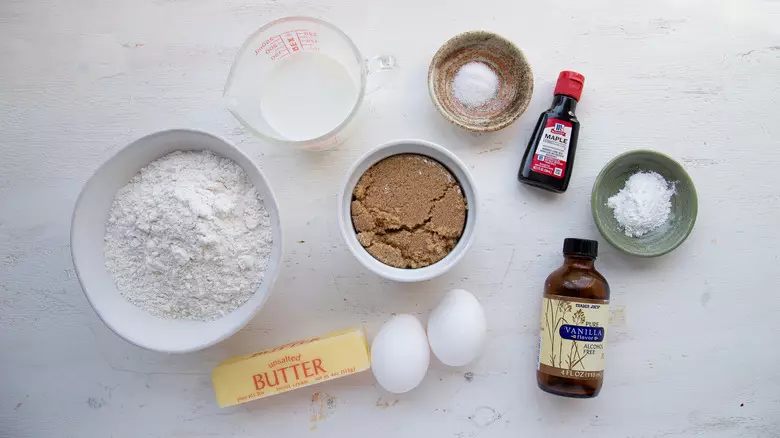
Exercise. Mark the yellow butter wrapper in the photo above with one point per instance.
(290, 366)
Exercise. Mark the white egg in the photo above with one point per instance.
(400, 354)
(457, 328)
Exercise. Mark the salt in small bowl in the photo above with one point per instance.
(516, 82)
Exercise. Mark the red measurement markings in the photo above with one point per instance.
(273, 47)
(307, 38)
(291, 41)
(286, 43)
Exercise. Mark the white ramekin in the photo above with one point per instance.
(408, 146)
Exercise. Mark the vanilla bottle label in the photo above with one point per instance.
(571, 342)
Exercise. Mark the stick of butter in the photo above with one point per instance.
(290, 366)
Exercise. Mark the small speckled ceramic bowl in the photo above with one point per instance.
(684, 203)
(516, 81)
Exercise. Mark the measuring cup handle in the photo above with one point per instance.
(380, 70)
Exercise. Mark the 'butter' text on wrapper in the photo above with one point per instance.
(290, 366)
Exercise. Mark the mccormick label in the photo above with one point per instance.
(553, 148)
(290, 366)
(571, 342)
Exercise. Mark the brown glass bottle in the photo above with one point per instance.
(575, 310)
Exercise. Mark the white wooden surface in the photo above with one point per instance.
(693, 347)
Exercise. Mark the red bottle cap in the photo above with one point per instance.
(570, 83)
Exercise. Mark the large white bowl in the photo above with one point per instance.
(88, 229)
(408, 146)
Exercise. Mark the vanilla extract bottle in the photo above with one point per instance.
(575, 311)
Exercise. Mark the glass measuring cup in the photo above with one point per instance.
(300, 81)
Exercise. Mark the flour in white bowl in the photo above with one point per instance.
(188, 237)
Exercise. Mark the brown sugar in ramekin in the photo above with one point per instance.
(408, 211)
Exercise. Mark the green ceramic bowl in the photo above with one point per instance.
(684, 203)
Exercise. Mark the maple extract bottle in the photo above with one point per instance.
(575, 311)
(549, 158)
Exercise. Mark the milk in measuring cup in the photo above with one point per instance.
(307, 95)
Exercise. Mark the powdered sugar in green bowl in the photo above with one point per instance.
(683, 209)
